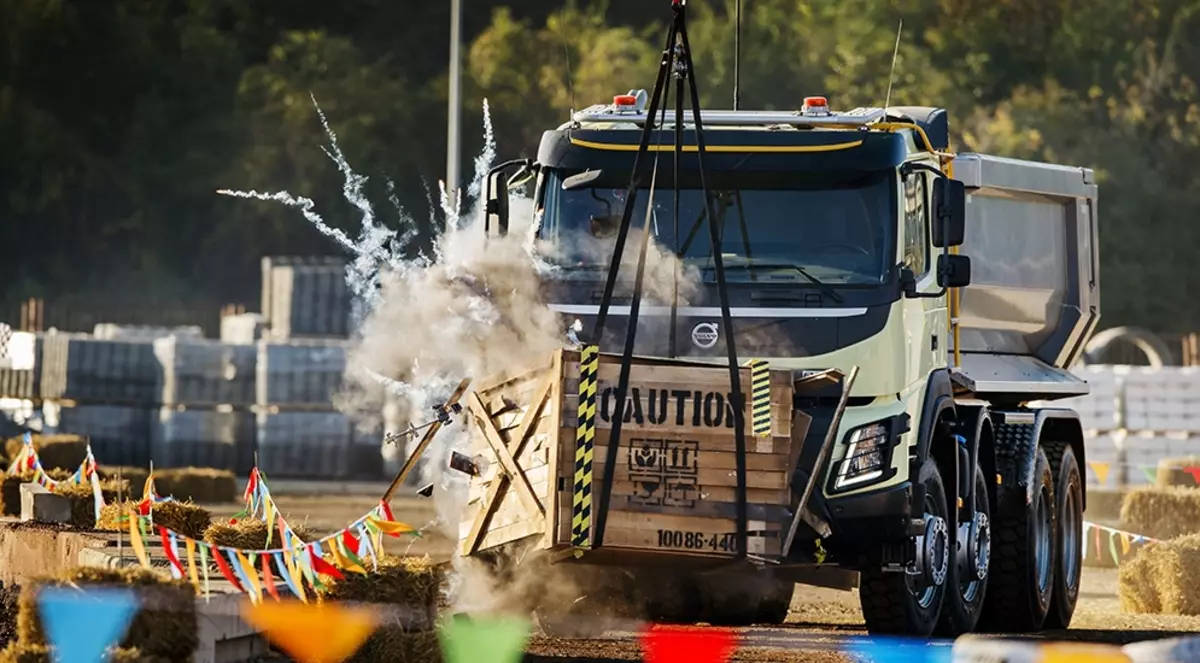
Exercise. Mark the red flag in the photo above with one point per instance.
(350, 541)
(677, 644)
(170, 553)
(225, 570)
(250, 485)
(324, 568)
(387, 510)
(1195, 472)
(268, 581)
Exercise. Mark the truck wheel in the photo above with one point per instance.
(1021, 577)
(1068, 490)
(967, 582)
(907, 602)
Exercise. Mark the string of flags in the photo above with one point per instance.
(1102, 469)
(27, 460)
(1116, 542)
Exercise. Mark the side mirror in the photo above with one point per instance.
(950, 212)
(953, 271)
(497, 203)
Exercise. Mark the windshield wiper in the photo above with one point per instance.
(750, 266)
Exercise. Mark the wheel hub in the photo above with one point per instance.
(933, 552)
(974, 547)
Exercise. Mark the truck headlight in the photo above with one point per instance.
(866, 455)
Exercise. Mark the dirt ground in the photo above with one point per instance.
(820, 622)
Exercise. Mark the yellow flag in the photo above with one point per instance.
(135, 539)
(343, 562)
(255, 588)
(191, 555)
(320, 633)
(269, 515)
(391, 526)
(289, 561)
(1101, 470)
(1125, 543)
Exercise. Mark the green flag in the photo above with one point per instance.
(484, 641)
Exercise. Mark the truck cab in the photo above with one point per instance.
(961, 287)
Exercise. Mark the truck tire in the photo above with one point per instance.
(1068, 491)
(899, 603)
(1021, 577)
(965, 591)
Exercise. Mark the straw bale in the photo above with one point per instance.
(185, 518)
(8, 613)
(135, 476)
(205, 485)
(83, 500)
(1170, 472)
(10, 489)
(249, 534)
(25, 653)
(63, 452)
(165, 625)
(1104, 505)
(1163, 579)
(1162, 513)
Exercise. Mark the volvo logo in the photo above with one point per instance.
(704, 335)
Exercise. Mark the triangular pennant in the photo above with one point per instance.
(1101, 470)
(170, 551)
(1112, 546)
(249, 575)
(313, 633)
(484, 641)
(391, 527)
(1124, 543)
(1151, 473)
(1195, 472)
(226, 571)
(268, 516)
(291, 575)
(675, 644)
(81, 625)
(319, 565)
(268, 578)
(190, 545)
(896, 650)
(135, 540)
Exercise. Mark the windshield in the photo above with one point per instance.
(838, 229)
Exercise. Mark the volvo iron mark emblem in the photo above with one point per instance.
(704, 335)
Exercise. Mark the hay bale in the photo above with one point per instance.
(413, 583)
(185, 518)
(248, 534)
(24, 653)
(134, 476)
(165, 627)
(1163, 579)
(8, 613)
(390, 643)
(10, 489)
(1162, 513)
(63, 452)
(198, 484)
(1171, 472)
(83, 505)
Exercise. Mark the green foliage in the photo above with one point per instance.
(119, 120)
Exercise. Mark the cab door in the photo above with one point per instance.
(925, 320)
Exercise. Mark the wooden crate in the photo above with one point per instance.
(674, 479)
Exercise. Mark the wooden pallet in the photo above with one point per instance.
(674, 481)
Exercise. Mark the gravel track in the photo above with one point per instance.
(818, 626)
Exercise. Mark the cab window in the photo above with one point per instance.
(916, 223)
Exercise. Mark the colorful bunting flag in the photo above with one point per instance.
(82, 625)
(313, 633)
(484, 641)
(897, 650)
(1101, 470)
(676, 644)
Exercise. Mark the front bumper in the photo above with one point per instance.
(877, 516)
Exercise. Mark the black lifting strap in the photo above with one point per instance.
(677, 51)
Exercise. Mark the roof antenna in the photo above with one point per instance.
(892, 76)
(737, 53)
(562, 20)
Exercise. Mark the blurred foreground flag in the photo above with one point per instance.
(312, 633)
(484, 641)
(677, 644)
(897, 650)
(82, 624)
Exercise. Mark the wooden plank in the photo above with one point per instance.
(430, 432)
(552, 434)
(491, 500)
(504, 456)
(721, 494)
(700, 480)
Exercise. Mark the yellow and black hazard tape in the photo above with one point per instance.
(760, 397)
(585, 439)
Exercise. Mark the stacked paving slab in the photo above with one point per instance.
(263, 392)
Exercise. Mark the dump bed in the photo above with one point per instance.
(1034, 297)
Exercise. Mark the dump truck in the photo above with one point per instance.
(907, 317)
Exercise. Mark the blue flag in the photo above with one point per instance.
(82, 625)
(897, 650)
